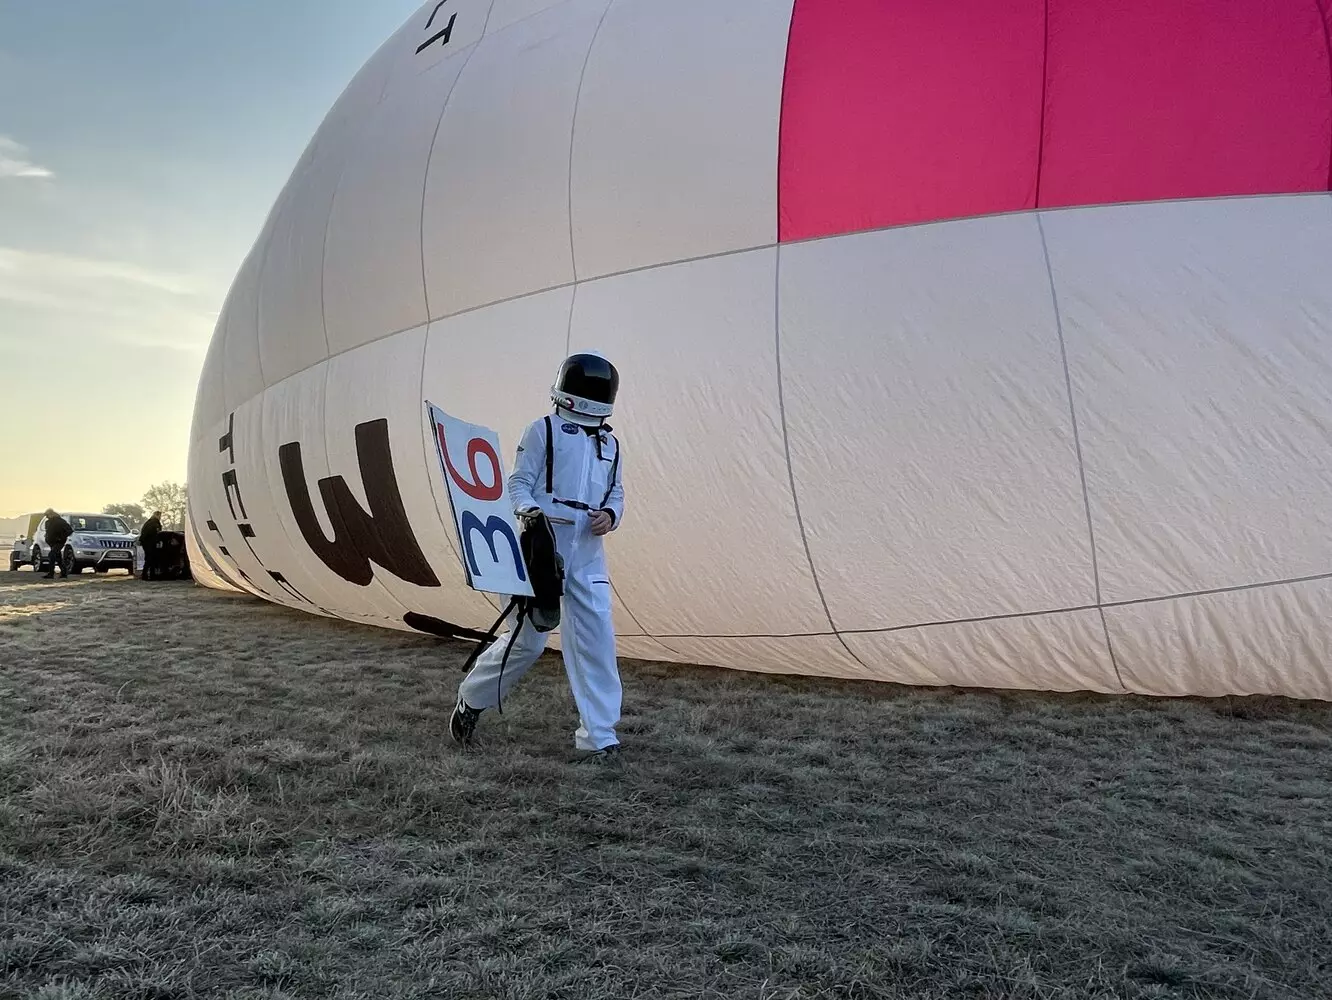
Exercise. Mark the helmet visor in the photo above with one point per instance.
(589, 377)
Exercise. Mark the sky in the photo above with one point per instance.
(142, 143)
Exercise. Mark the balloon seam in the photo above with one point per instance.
(1010, 616)
(781, 119)
(425, 283)
(786, 448)
(376, 586)
(1325, 16)
(1077, 447)
(573, 132)
(265, 400)
(813, 239)
(323, 257)
(1045, 99)
(425, 185)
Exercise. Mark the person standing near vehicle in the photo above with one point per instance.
(568, 467)
(57, 534)
(148, 541)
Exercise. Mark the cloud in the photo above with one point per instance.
(44, 268)
(111, 299)
(14, 161)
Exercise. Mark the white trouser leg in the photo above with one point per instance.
(587, 638)
(481, 687)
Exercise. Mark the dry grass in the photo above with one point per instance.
(203, 796)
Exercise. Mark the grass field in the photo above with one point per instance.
(205, 796)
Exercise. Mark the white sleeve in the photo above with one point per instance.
(529, 467)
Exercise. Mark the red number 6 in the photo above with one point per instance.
(474, 489)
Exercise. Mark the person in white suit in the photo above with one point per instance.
(568, 466)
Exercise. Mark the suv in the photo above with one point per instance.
(102, 541)
(20, 553)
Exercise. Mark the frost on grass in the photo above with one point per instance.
(205, 796)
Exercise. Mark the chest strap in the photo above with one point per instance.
(550, 457)
(615, 467)
(550, 463)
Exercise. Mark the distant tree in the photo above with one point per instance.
(131, 512)
(170, 499)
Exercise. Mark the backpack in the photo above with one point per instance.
(545, 570)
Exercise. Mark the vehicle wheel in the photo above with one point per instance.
(36, 559)
(70, 564)
(14, 562)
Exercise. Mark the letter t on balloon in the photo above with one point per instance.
(479, 499)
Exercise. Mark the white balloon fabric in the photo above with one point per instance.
(973, 344)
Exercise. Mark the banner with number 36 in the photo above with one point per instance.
(478, 494)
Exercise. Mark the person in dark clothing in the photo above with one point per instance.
(57, 533)
(148, 539)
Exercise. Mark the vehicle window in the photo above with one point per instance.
(109, 524)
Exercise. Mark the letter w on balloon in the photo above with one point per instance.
(482, 513)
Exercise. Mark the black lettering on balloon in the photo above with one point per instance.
(246, 577)
(246, 534)
(441, 36)
(383, 536)
(208, 558)
(434, 13)
(231, 484)
(281, 581)
(227, 441)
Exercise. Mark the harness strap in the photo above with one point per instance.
(489, 637)
(615, 467)
(508, 648)
(524, 605)
(550, 457)
(550, 462)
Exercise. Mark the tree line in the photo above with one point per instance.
(170, 498)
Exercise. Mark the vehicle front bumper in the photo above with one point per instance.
(123, 557)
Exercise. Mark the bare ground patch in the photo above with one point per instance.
(201, 795)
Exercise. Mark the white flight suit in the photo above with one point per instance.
(587, 636)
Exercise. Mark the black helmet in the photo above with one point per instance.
(585, 387)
